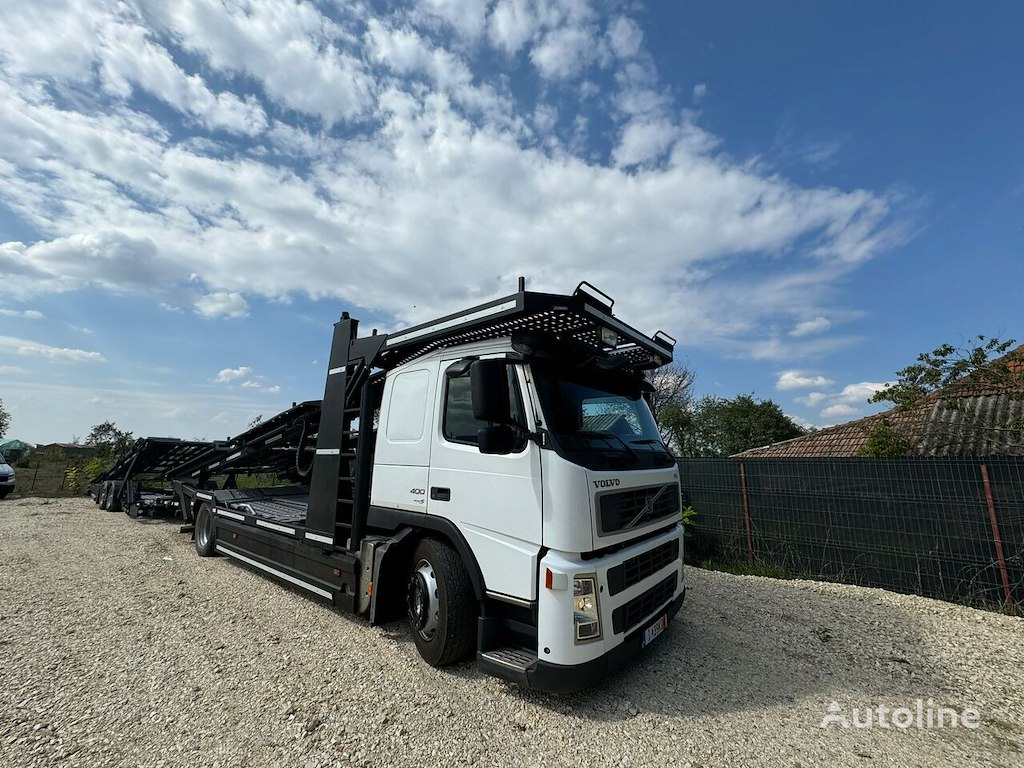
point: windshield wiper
(607, 436)
(652, 441)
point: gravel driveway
(121, 647)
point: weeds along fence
(950, 528)
(47, 480)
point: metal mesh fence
(950, 528)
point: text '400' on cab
(495, 475)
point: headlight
(584, 608)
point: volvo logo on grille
(648, 506)
(607, 483)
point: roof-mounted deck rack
(584, 317)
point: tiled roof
(962, 420)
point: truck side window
(460, 426)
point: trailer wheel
(442, 610)
(206, 540)
(101, 497)
(114, 497)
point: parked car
(6, 477)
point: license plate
(654, 630)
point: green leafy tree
(5, 419)
(723, 427)
(109, 441)
(951, 375)
(885, 441)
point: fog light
(585, 614)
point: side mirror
(489, 387)
(496, 440)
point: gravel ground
(121, 647)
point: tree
(951, 374)
(109, 440)
(672, 400)
(5, 419)
(885, 441)
(723, 427)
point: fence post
(996, 538)
(34, 475)
(746, 514)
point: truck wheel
(101, 497)
(206, 540)
(442, 610)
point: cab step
(518, 659)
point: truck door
(403, 439)
(494, 500)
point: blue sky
(805, 194)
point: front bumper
(560, 678)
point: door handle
(440, 494)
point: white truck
(495, 476)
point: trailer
(283, 446)
(494, 476)
(139, 481)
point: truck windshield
(598, 420)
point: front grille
(638, 568)
(640, 506)
(5, 478)
(639, 608)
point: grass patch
(758, 568)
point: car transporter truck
(495, 475)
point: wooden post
(746, 514)
(996, 538)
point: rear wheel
(442, 609)
(206, 540)
(104, 496)
(114, 497)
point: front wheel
(206, 539)
(442, 609)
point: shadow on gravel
(743, 644)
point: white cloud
(839, 411)
(28, 314)
(564, 52)
(10, 370)
(122, 204)
(625, 37)
(222, 304)
(808, 327)
(644, 141)
(812, 399)
(226, 375)
(849, 401)
(699, 92)
(37, 349)
(798, 380)
(861, 392)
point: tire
(441, 607)
(104, 495)
(114, 497)
(4, 492)
(206, 537)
